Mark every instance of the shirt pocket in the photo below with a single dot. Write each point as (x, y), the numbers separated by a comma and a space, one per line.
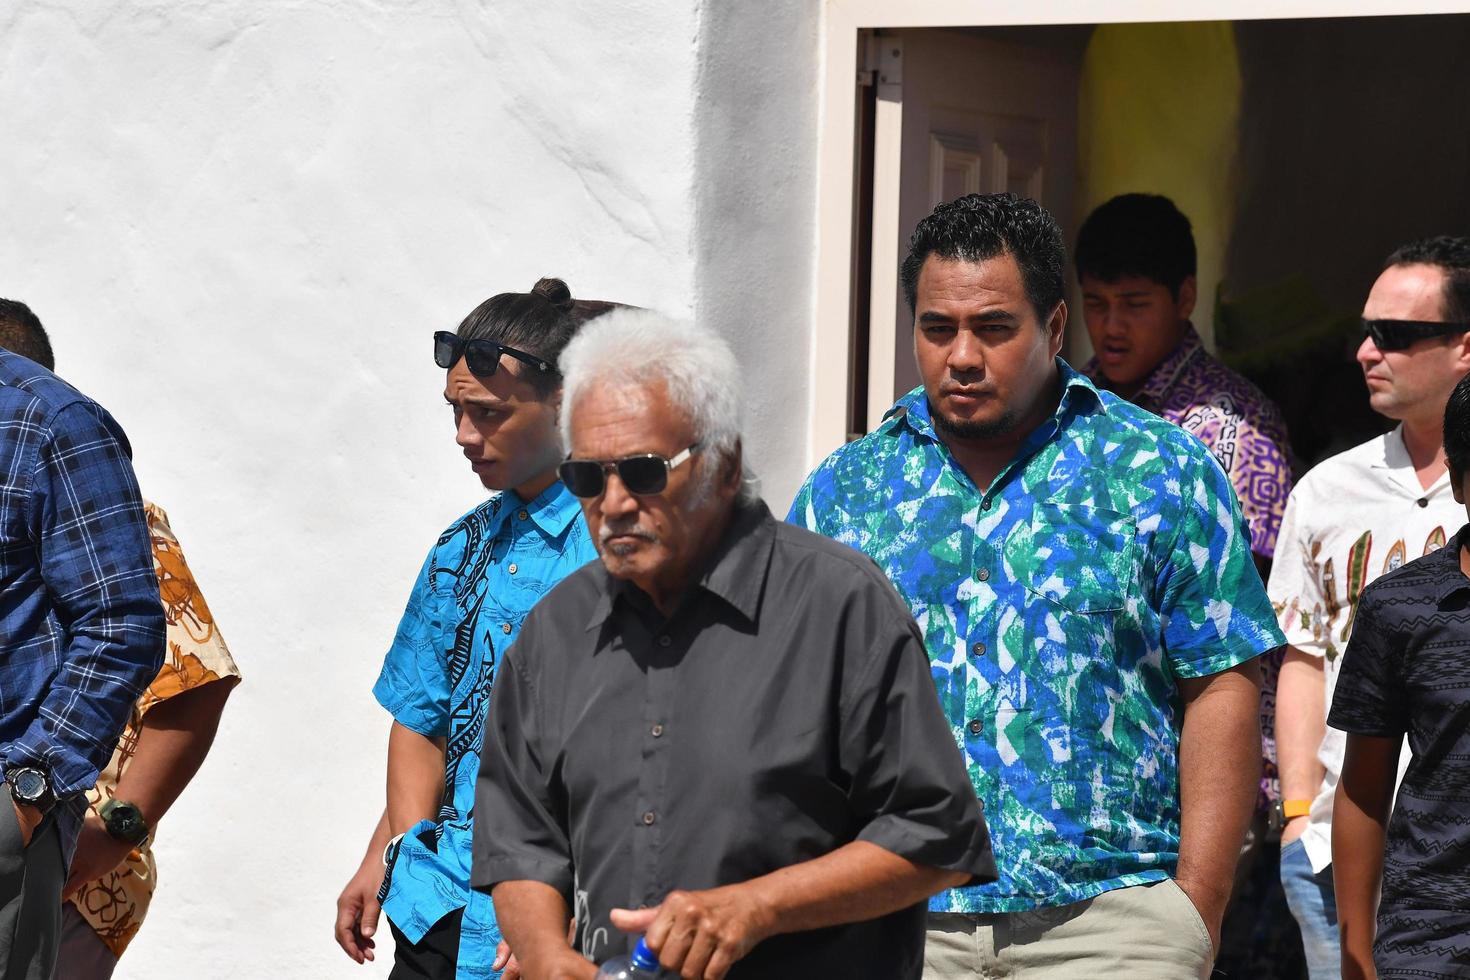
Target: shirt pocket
(1083, 557)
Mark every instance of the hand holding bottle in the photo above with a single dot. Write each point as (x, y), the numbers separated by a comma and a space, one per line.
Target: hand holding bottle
(707, 930)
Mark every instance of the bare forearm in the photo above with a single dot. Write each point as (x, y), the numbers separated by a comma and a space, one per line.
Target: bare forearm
(415, 777)
(533, 919)
(1359, 816)
(382, 834)
(856, 882)
(175, 738)
(1219, 773)
(1300, 724)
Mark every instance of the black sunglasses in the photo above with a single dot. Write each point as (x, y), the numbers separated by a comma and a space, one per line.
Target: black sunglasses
(642, 475)
(1400, 334)
(482, 357)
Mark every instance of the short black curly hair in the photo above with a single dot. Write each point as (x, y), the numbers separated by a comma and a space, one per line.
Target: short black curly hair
(1137, 235)
(1457, 428)
(1451, 254)
(22, 333)
(977, 227)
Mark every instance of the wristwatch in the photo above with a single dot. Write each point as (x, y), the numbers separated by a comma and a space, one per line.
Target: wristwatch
(124, 821)
(29, 785)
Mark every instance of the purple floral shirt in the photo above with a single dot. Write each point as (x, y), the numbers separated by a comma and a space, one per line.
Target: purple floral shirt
(1245, 432)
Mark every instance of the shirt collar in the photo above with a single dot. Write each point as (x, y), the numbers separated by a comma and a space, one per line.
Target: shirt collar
(552, 510)
(1156, 387)
(1165, 374)
(913, 408)
(736, 572)
(1400, 466)
(1449, 578)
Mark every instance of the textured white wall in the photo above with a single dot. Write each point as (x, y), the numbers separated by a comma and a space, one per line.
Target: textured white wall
(755, 240)
(240, 221)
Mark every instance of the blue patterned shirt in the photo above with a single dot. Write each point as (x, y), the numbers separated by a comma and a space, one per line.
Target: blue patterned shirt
(480, 580)
(81, 632)
(1060, 606)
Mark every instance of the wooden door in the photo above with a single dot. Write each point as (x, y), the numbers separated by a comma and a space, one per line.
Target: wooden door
(982, 111)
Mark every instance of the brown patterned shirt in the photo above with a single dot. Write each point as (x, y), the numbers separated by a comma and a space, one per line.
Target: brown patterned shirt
(114, 905)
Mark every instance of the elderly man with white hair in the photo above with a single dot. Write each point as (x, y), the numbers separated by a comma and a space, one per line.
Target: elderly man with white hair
(724, 735)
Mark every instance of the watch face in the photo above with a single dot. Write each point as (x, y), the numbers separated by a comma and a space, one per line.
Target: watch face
(124, 821)
(29, 785)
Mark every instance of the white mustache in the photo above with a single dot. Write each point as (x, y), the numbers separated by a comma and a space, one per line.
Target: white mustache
(608, 532)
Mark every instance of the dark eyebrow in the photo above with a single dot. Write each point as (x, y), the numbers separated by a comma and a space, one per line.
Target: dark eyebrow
(931, 316)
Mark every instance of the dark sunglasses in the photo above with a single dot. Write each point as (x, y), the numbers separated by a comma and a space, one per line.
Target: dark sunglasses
(642, 475)
(1400, 334)
(482, 357)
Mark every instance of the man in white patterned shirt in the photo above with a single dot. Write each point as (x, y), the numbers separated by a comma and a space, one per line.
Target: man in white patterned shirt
(1352, 518)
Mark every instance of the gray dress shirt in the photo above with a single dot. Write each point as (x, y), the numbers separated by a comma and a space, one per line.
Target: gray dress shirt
(784, 710)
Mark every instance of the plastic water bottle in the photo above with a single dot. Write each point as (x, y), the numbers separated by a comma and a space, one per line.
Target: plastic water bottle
(640, 965)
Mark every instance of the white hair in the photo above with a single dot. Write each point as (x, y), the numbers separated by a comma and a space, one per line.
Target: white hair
(641, 347)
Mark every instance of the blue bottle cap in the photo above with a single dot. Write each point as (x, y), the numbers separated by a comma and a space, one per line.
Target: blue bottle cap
(643, 957)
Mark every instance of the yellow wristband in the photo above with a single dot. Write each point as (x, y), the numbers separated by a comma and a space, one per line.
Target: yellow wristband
(1291, 809)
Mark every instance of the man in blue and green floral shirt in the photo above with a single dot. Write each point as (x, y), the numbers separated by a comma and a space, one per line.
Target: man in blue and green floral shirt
(1084, 581)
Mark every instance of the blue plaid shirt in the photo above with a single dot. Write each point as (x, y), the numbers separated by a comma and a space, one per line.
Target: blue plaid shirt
(480, 580)
(82, 629)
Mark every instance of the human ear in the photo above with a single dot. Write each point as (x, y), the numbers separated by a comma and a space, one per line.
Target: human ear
(1056, 328)
(735, 466)
(1188, 296)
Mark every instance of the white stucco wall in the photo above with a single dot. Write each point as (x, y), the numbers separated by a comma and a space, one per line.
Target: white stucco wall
(240, 222)
(755, 232)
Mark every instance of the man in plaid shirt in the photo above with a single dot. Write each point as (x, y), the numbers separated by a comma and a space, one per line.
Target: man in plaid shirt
(81, 635)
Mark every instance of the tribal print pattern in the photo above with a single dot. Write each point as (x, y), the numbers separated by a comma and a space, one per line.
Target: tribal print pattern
(480, 580)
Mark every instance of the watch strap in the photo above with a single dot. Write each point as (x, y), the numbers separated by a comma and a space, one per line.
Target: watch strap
(1291, 809)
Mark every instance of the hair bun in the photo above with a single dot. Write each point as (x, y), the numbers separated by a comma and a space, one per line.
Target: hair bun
(554, 291)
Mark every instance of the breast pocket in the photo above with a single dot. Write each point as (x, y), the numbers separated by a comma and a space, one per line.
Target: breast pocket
(1083, 558)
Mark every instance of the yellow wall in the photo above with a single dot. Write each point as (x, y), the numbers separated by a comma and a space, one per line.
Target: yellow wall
(1157, 112)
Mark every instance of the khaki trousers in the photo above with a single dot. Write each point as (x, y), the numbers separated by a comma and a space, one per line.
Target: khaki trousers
(1147, 932)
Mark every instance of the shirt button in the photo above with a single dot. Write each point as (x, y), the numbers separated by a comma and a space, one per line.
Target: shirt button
(664, 641)
(978, 649)
(657, 730)
(505, 628)
(975, 726)
(523, 515)
(985, 504)
(513, 568)
(983, 575)
(1422, 501)
(648, 818)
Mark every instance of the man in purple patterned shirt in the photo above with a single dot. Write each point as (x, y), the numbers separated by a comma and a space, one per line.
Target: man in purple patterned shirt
(1135, 260)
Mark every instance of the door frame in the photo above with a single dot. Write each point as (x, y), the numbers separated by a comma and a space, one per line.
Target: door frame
(831, 394)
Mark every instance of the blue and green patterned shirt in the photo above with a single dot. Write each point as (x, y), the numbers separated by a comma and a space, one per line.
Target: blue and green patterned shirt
(1059, 605)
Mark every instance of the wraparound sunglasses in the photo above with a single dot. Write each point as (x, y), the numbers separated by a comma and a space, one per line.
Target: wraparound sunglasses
(482, 357)
(1401, 334)
(642, 475)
